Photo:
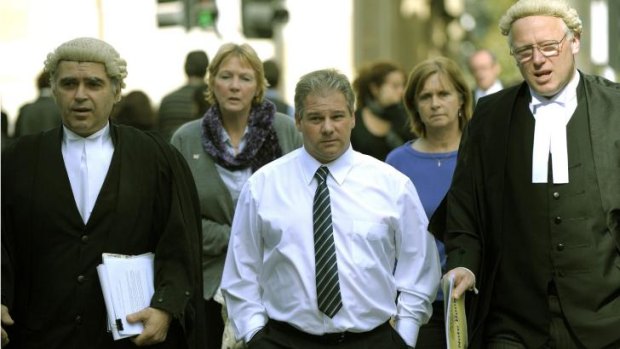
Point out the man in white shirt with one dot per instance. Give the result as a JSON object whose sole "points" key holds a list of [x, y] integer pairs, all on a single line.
{"points": [[274, 279], [485, 69]]}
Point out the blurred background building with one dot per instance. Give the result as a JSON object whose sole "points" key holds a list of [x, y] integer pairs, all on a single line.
{"points": [[302, 35]]}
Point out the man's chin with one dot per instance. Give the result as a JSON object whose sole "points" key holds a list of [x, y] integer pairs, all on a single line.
{"points": [[547, 89]]}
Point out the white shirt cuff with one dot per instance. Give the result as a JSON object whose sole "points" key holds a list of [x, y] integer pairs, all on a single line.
{"points": [[251, 334], [255, 324], [408, 330]]}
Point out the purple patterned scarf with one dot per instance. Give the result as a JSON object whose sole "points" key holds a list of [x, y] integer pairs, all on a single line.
{"points": [[261, 140]]}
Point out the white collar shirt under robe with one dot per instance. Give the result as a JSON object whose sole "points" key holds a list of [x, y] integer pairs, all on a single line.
{"points": [[378, 219], [97, 150], [552, 115]]}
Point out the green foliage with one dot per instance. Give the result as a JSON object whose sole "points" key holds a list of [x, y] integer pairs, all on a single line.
{"points": [[486, 34]]}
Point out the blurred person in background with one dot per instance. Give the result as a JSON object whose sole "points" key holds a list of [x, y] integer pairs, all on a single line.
{"points": [[177, 107], [40, 115], [272, 74], [135, 110], [6, 140], [201, 105], [532, 217], [439, 104], [84, 188], [485, 69], [239, 133], [380, 118]]}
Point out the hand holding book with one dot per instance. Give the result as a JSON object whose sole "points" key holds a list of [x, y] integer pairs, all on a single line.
{"points": [[454, 285]]}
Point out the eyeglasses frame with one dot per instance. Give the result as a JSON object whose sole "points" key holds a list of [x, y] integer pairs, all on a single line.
{"points": [[537, 46]]}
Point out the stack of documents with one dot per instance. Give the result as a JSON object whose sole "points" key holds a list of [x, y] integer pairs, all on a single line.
{"points": [[128, 286]]}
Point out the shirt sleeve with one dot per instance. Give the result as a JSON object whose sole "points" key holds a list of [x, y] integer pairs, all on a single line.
{"points": [[244, 264], [418, 269]]}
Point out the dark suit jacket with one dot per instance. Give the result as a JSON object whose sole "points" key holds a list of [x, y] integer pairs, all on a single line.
{"points": [[177, 108], [147, 203], [40, 115], [476, 194]]}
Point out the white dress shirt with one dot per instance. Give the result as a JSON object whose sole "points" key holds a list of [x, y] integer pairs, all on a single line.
{"points": [[99, 149], [552, 115], [479, 93], [377, 219]]}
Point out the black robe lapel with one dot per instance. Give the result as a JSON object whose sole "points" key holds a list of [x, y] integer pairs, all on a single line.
{"points": [[51, 181]]}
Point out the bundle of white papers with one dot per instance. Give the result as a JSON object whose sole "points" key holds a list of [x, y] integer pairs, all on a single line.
{"points": [[127, 283]]}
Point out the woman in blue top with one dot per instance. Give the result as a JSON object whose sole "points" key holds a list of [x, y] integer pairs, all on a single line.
{"points": [[439, 104]]}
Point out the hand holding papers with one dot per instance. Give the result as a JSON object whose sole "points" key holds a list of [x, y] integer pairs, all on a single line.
{"points": [[127, 283], [454, 310]]}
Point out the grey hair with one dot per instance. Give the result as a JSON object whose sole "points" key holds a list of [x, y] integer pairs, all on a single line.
{"points": [[321, 81], [89, 50], [554, 8]]}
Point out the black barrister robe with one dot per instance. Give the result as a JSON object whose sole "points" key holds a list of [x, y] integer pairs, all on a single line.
{"points": [[147, 203], [470, 220]]}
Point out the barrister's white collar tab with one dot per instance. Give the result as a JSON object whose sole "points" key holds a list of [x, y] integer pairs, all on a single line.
{"points": [[552, 115]]}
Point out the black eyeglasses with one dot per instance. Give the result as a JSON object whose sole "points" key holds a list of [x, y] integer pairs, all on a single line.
{"points": [[546, 48]]}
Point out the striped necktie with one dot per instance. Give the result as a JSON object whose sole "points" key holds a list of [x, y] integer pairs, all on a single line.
{"points": [[327, 285]]}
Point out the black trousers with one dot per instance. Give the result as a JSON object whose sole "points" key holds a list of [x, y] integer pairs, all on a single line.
{"points": [[280, 335], [433, 334], [215, 324], [561, 336]]}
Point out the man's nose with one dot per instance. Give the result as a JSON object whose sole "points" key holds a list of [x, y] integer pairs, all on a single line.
{"points": [[80, 92], [328, 126], [537, 56]]}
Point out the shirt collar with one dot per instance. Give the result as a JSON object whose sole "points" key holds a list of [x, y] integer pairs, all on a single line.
{"points": [[497, 85], [338, 168], [225, 137], [102, 134]]}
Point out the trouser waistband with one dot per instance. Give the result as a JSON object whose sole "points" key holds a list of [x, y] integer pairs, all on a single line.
{"points": [[328, 338]]}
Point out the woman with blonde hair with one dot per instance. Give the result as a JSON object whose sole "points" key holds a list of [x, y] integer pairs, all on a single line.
{"points": [[238, 134], [439, 104]]}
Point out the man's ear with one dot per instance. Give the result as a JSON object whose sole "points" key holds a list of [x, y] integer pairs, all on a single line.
{"points": [[575, 43], [118, 96]]}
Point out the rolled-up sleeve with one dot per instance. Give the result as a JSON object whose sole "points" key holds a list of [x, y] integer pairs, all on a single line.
{"points": [[418, 269]]}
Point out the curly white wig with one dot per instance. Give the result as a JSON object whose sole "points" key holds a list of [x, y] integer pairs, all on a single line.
{"points": [[553, 8], [89, 50]]}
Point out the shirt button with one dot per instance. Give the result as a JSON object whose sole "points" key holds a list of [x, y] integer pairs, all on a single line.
{"points": [[556, 195], [78, 319], [560, 246], [187, 293], [557, 220], [81, 278], [160, 300], [84, 238]]}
